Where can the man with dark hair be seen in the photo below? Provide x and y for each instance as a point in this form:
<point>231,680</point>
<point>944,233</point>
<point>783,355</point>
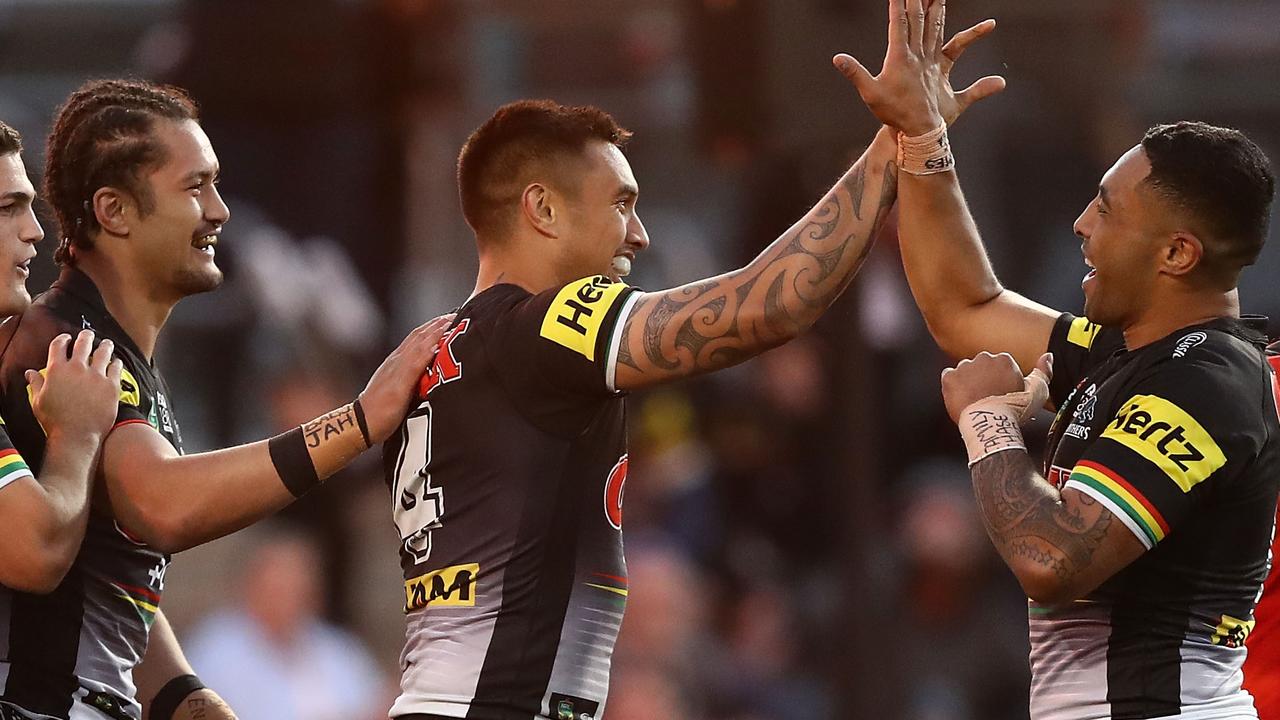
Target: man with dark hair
<point>132,178</point>
<point>507,478</point>
<point>1143,540</point>
<point>45,520</point>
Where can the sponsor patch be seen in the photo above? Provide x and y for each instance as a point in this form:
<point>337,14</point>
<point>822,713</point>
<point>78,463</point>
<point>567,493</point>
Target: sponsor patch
<point>1168,437</point>
<point>454,586</point>
<point>1232,632</point>
<point>130,391</point>
<point>1082,332</point>
<point>568,707</point>
<point>578,311</point>
<point>1187,342</point>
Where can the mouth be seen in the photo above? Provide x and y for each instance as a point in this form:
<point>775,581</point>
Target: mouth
<point>206,244</point>
<point>24,268</point>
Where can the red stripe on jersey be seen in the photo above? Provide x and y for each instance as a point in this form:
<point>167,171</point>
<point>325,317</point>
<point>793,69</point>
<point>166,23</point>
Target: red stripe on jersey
<point>1164,526</point>
<point>7,453</point>
<point>130,421</point>
<point>143,592</point>
<point>614,578</point>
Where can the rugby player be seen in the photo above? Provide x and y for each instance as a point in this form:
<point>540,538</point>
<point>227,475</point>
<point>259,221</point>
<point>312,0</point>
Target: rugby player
<point>1142,541</point>
<point>507,479</point>
<point>132,179</point>
<point>45,520</point>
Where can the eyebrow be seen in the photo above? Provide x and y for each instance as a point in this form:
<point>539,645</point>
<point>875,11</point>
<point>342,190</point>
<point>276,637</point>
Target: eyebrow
<point>17,196</point>
<point>628,191</point>
<point>1104,195</point>
<point>200,175</point>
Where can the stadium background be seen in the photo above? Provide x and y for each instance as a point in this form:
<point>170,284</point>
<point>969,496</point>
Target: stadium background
<point>800,532</point>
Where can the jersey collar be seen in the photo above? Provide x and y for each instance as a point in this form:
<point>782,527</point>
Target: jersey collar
<point>76,283</point>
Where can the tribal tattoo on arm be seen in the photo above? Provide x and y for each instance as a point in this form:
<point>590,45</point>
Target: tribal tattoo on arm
<point>718,322</point>
<point>1060,545</point>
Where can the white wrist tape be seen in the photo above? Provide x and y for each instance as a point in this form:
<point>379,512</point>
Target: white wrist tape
<point>925,154</point>
<point>992,425</point>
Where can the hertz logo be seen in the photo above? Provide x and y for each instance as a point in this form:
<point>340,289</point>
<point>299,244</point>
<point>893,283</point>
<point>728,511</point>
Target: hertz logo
<point>1168,437</point>
<point>453,586</point>
<point>578,311</point>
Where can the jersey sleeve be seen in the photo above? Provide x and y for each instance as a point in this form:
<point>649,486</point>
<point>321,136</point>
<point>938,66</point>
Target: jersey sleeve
<point>565,340</point>
<point>1167,446</point>
<point>12,466</point>
<point>134,405</point>
<point>1077,346</point>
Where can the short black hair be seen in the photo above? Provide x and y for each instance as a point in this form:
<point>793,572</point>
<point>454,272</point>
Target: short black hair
<point>10,140</point>
<point>1222,180</point>
<point>103,136</point>
<point>521,138</point>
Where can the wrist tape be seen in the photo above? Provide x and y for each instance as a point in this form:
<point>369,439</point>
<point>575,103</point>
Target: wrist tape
<point>925,154</point>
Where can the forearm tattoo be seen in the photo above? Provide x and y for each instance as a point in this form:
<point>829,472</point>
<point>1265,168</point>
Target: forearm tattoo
<point>724,320</point>
<point>329,426</point>
<point>1027,519</point>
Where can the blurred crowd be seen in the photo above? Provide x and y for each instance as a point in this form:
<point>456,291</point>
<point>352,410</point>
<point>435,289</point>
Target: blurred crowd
<point>801,538</point>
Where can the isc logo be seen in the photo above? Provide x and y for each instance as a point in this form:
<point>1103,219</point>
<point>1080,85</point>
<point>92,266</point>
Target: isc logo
<point>1167,436</point>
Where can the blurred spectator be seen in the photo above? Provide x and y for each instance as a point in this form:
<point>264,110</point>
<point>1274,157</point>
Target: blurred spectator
<point>272,657</point>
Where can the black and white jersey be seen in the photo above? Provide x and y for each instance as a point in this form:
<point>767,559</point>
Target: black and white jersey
<point>1180,441</point>
<point>70,654</point>
<point>506,487</point>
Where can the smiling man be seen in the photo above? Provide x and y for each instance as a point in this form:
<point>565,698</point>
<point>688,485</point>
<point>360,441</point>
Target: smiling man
<point>1142,541</point>
<point>132,178</point>
<point>508,477</point>
<point>45,521</point>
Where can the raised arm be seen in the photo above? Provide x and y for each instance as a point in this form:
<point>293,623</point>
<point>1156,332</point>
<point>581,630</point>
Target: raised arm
<point>715,323</point>
<point>965,306</point>
<point>45,519</point>
<point>174,502</point>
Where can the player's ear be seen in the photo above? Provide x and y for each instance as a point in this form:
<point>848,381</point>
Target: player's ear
<point>109,207</point>
<point>537,205</point>
<point>1182,253</point>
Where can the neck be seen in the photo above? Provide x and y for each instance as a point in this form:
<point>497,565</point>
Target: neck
<point>139,312</point>
<point>1172,314</point>
<point>534,274</point>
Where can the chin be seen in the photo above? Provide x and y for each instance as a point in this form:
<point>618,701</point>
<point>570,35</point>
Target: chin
<point>15,301</point>
<point>199,280</point>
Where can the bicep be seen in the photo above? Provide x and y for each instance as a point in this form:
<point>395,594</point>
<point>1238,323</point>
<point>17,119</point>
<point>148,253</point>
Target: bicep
<point>131,454</point>
<point>1008,323</point>
<point>697,328</point>
<point>1108,544</point>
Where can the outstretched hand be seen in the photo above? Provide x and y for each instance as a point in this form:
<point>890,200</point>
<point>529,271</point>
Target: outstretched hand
<point>913,91</point>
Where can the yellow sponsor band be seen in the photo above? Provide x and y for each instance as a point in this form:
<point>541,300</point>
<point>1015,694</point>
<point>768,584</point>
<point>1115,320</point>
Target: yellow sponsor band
<point>578,311</point>
<point>454,586</point>
<point>1168,437</point>
<point>130,393</point>
<point>1232,632</point>
<point>1082,332</point>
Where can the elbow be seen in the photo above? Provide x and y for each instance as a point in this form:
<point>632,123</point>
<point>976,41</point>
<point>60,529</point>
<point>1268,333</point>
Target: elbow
<point>1046,587</point>
<point>158,527</point>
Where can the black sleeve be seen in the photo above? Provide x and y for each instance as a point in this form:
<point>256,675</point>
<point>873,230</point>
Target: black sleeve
<point>1173,437</point>
<point>1078,346</point>
<point>559,348</point>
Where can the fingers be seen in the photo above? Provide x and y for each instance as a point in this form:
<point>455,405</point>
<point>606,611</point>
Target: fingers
<point>102,357</point>
<point>855,72</point>
<point>915,26</point>
<point>899,26</point>
<point>934,23</point>
<point>955,48</point>
<point>83,346</point>
<point>35,379</point>
<point>58,350</point>
<point>1044,366</point>
<point>980,90</point>
<point>114,370</point>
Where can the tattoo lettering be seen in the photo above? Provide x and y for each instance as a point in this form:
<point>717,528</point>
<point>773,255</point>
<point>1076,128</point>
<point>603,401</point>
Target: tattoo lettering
<point>330,425</point>
<point>722,321</point>
<point>197,707</point>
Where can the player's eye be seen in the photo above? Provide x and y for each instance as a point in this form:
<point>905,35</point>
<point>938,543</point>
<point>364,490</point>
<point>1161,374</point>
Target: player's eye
<point>8,209</point>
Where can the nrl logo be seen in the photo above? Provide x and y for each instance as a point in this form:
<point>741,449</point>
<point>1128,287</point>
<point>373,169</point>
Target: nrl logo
<point>1189,341</point>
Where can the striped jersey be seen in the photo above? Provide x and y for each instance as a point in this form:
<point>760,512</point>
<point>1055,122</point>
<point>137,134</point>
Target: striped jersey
<point>70,654</point>
<point>506,487</point>
<point>12,466</point>
<point>1180,441</point>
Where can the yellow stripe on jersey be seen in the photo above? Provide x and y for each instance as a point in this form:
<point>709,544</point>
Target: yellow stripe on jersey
<point>1082,332</point>
<point>1168,437</point>
<point>578,311</point>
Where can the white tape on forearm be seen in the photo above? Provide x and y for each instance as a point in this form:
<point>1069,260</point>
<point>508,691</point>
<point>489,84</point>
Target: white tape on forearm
<point>925,154</point>
<point>990,426</point>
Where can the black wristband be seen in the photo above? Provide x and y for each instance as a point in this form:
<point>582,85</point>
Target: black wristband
<point>364,426</point>
<point>172,694</point>
<point>293,462</point>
